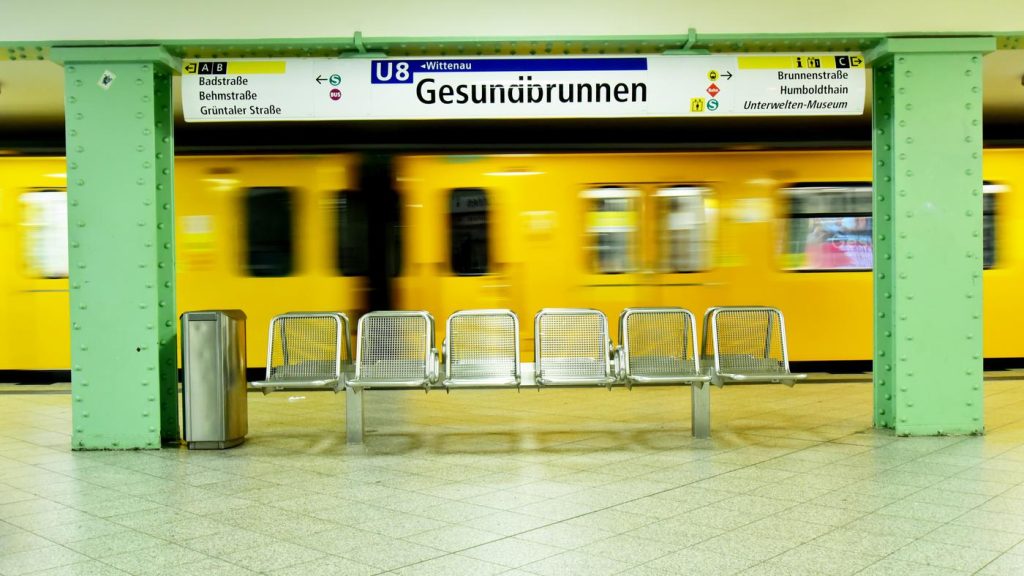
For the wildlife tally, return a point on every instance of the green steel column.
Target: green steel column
(928, 234)
(120, 154)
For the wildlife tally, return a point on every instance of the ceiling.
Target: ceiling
(31, 87)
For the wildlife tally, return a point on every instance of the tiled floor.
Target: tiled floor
(558, 482)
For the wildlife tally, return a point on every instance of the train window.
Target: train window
(45, 222)
(269, 231)
(684, 231)
(353, 232)
(989, 222)
(611, 222)
(829, 227)
(468, 221)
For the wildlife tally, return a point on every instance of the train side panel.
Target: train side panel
(218, 266)
(513, 231)
(543, 212)
(34, 312)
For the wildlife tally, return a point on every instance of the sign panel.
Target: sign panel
(512, 87)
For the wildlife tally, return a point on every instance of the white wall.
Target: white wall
(147, 19)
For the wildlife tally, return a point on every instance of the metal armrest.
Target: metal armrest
(368, 384)
(787, 379)
(607, 381)
(268, 386)
(699, 379)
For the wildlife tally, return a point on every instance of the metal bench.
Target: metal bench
(659, 348)
(481, 349)
(746, 344)
(572, 348)
(307, 350)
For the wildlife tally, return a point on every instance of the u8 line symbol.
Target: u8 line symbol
(385, 72)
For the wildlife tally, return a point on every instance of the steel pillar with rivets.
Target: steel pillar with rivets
(120, 169)
(927, 206)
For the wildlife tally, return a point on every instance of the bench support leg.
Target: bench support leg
(354, 416)
(700, 414)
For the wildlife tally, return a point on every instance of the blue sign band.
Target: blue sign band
(402, 71)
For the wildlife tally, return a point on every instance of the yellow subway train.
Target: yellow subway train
(352, 232)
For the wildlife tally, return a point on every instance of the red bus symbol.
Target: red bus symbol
(713, 90)
(335, 94)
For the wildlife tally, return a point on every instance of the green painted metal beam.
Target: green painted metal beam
(120, 155)
(131, 54)
(490, 46)
(928, 235)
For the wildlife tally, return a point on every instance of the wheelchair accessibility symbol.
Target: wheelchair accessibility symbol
(712, 105)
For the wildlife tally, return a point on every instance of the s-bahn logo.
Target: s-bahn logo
(206, 68)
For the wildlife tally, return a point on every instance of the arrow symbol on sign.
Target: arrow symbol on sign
(320, 79)
(856, 60)
(727, 75)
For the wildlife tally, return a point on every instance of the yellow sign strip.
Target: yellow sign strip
(809, 61)
(239, 67)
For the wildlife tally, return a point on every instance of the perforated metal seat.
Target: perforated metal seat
(481, 348)
(571, 347)
(659, 346)
(395, 349)
(307, 350)
(746, 344)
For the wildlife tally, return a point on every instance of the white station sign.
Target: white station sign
(513, 87)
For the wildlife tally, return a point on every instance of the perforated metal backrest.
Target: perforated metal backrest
(658, 342)
(395, 347)
(308, 346)
(571, 345)
(746, 340)
(482, 346)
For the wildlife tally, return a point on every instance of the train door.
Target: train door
(474, 272)
(459, 220)
(39, 292)
(683, 226)
(378, 220)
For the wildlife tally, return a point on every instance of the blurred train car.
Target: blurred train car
(251, 233)
(269, 234)
(790, 229)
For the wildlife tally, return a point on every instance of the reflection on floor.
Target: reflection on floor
(558, 482)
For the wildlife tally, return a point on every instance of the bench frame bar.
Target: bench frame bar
(700, 402)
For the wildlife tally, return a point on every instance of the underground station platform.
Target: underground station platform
(234, 250)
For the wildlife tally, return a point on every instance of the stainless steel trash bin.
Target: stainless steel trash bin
(215, 410)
